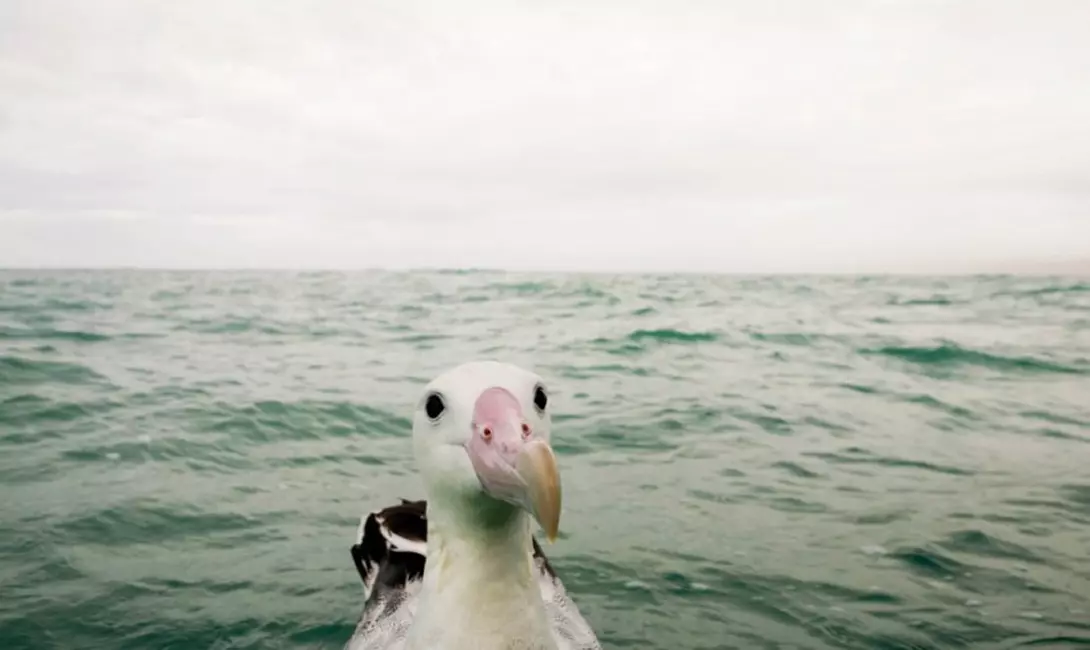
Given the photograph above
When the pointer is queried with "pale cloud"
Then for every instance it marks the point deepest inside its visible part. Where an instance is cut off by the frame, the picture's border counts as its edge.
(736, 136)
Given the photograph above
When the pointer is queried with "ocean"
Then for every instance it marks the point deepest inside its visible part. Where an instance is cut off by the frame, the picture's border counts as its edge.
(747, 462)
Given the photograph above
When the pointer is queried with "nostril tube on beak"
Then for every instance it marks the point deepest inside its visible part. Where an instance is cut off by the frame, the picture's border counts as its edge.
(499, 422)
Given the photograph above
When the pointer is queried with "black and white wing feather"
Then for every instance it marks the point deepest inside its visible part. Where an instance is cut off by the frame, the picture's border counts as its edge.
(390, 554)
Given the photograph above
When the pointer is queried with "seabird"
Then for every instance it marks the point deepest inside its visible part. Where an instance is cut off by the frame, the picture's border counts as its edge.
(481, 442)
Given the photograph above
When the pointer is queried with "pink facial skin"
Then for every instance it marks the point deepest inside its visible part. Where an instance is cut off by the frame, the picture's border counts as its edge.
(500, 432)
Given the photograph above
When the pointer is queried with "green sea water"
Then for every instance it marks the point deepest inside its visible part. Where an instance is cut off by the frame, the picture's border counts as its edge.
(748, 462)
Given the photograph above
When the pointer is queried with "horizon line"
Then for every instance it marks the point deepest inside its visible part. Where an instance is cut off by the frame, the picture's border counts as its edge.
(1059, 268)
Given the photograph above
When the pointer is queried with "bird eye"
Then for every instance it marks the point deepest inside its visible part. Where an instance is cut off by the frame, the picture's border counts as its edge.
(541, 400)
(434, 407)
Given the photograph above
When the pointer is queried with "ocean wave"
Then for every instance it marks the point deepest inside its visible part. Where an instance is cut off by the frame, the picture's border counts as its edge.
(747, 462)
(785, 338)
(526, 287)
(28, 334)
(668, 335)
(16, 371)
(31, 410)
(1061, 289)
(950, 355)
(860, 457)
(934, 301)
(977, 542)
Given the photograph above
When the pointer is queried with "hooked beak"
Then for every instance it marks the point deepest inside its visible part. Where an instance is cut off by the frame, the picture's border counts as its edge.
(512, 462)
(536, 464)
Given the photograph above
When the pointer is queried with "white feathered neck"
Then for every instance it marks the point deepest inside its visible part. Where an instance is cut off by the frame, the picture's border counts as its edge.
(479, 591)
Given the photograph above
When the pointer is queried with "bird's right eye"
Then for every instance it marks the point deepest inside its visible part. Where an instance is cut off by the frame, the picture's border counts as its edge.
(434, 406)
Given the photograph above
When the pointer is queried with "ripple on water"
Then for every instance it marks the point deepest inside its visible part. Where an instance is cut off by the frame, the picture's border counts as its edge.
(274, 420)
(148, 522)
(796, 470)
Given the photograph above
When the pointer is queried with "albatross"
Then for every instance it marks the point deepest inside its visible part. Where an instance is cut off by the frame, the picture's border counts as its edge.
(462, 569)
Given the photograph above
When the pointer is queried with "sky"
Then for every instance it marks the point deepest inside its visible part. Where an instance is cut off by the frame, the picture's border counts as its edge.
(718, 135)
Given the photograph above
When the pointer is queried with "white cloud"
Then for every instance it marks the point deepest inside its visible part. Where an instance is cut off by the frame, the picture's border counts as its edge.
(693, 135)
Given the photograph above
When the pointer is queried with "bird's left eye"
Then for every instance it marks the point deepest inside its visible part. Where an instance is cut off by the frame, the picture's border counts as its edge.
(434, 407)
(541, 400)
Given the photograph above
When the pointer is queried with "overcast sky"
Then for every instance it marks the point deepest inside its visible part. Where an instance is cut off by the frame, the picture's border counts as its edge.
(746, 135)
